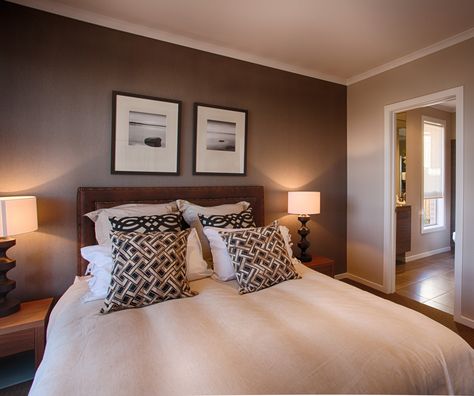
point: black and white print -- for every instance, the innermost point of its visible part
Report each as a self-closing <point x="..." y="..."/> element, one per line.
<point x="147" y="129"/>
<point x="220" y="135"/>
<point x="243" y="219"/>
<point x="259" y="257"/>
<point x="148" y="268"/>
<point x="220" y="140"/>
<point x="166" y="222"/>
<point x="145" y="134"/>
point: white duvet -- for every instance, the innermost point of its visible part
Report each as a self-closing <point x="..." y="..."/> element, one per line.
<point x="311" y="335"/>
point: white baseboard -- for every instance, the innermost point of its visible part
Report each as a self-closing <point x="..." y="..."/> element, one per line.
<point x="373" y="285"/>
<point x="464" y="320"/>
<point x="427" y="254"/>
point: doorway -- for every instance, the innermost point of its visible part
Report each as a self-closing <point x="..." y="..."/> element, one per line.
<point x="392" y="185"/>
<point x="424" y="211"/>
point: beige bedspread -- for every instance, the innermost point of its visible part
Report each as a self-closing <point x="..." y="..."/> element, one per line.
<point x="312" y="335"/>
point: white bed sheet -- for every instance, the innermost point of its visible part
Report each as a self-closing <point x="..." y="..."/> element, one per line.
<point x="311" y="335"/>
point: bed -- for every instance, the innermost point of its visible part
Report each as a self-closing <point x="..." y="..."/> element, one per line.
<point x="310" y="335"/>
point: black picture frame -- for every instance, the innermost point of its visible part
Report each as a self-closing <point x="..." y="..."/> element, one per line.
<point x="171" y="108"/>
<point x="236" y="152"/>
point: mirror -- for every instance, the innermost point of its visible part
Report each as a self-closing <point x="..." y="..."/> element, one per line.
<point x="401" y="156"/>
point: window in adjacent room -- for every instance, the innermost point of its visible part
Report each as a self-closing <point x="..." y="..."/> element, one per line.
<point x="433" y="213"/>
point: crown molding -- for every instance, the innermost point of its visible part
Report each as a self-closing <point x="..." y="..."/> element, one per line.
<point x="121" y="25"/>
<point x="118" y="24"/>
<point x="453" y="40"/>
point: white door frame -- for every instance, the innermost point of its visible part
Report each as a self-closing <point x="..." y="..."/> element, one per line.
<point x="389" y="256"/>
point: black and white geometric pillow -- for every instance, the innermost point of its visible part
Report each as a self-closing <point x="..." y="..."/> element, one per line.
<point x="148" y="268"/>
<point x="145" y="224"/>
<point x="259" y="257"/>
<point x="243" y="219"/>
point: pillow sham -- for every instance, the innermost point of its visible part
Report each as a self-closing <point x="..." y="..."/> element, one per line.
<point x="259" y="258"/>
<point x="145" y="224"/>
<point x="243" y="219"/>
<point x="191" y="212"/>
<point x="223" y="267"/>
<point x="101" y="264"/>
<point x="101" y="216"/>
<point x="148" y="269"/>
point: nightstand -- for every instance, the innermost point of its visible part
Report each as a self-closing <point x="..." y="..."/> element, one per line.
<point x="25" y="330"/>
<point x="323" y="265"/>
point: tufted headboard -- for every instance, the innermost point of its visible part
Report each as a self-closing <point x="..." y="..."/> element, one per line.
<point x="92" y="198"/>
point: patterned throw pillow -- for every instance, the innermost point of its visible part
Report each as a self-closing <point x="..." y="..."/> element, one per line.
<point x="259" y="257"/>
<point x="148" y="268"/>
<point x="145" y="224"/>
<point x="233" y="220"/>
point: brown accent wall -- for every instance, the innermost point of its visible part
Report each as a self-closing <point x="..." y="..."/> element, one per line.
<point x="56" y="81"/>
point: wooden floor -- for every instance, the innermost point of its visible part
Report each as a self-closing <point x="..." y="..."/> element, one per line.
<point x="441" y="317"/>
<point x="429" y="281"/>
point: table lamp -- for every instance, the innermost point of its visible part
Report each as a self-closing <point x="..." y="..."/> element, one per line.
<point x="303" y="203"/>
<point x="17" y="216"/>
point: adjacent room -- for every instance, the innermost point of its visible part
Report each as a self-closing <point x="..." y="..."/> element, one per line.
<point x="426" y="205"/>
<point x="228" y="197"/>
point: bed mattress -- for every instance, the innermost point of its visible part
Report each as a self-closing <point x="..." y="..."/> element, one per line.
<point x="311" y="335"/>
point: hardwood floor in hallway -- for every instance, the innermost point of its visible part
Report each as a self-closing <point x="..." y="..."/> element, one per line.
<point x="429" y="280"/>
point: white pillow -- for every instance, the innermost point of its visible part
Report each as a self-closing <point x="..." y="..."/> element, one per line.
<point x="101" y="216"/>
<point x="190" y="214"/>
<point x="101" y="265"/>
<point x="285" y="232"/>
<point x="196" y="266"/>
<point x="97" y="256"/>
<point x="223" y="268"/>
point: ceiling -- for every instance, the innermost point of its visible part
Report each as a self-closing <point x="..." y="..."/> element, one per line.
<point x="449" y="106"/>
<point x="343" y="41"/>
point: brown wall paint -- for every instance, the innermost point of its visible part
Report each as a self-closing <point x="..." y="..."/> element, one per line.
<point x="56" y="78"/>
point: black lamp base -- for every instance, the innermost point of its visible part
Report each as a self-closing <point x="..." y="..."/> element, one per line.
<point x="8" y="305"/>
<point x="306" y="258"/>
<point x="303" y="244"/>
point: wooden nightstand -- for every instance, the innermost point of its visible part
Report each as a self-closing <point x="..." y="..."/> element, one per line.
<point x="25" y="330"/>
<point x="322" y="264"/>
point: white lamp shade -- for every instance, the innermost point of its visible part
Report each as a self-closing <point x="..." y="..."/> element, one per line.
<point x="17" y="215"/>
<point x="304" y="202"/>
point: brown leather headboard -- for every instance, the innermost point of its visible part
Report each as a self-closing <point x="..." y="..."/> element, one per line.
<point x="92" y="198"/>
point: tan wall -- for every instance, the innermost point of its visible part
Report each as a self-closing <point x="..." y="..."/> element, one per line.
<point x="422" y="243"/>
<point x="452" y="67"/>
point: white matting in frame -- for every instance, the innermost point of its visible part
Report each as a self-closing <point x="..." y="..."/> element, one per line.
<point x="220" y="135"/>
<point x="145" y="136"/>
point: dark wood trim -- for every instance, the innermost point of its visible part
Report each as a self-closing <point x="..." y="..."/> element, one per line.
<point x="25" y="329"/>
<point x="403" y="231"/>
<point x="196" y="105"/>
<point x="92" y="198"/>
<point x="114" y="125"/>
<point x="322" y="264"/>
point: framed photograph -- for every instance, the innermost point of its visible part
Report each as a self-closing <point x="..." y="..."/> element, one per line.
<point x="220" y="138"/>
<point x="145" y="134"/>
